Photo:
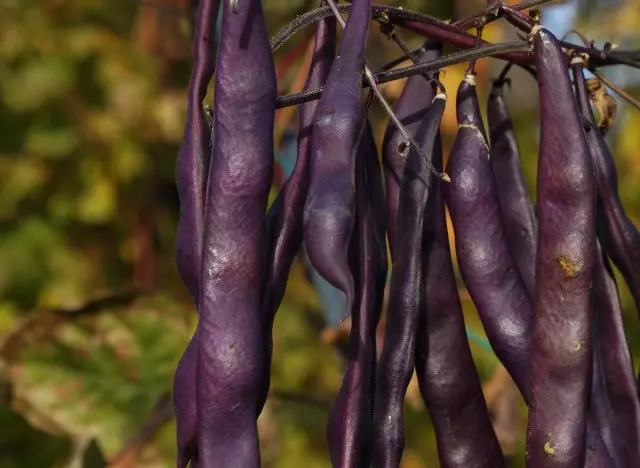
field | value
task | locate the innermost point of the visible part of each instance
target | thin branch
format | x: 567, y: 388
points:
x: 307, y: 400
x: 489, y: 13
x: 502, y: 77
x: 163, y: 413
x: 534, y: 4
x: 100, y: 304
x: 431, y: 27
x: 516, y: 18
x: 403, y: 58
x: 616, y: 89
x: 434, y: 65
x: 388, y: 30
x: 471, y: 70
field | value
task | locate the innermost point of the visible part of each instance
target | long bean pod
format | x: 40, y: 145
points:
x: 516, y: 208
x: 446, y: 373
x: 230, y: 345
x: 486, y: 264
x: 191, y: 179
x: 619, y: 236
x: 396, y: 363
x: 329, y: 208
x: 617, y: 365
x: 561, y: 345
x: 285, y: 217
x: 350, y: 419
x: 410, y: 108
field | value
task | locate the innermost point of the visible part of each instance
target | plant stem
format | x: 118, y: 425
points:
x: 392, y: 75
x: 433, y: 28
x: 390, y: 32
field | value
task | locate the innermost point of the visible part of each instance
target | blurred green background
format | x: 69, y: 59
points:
x: 93, y: 316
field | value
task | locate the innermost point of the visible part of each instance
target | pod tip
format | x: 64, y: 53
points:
x: 470, y: 78
x: 444, y: 176
x: 578, y: 58
x: 536, y: 28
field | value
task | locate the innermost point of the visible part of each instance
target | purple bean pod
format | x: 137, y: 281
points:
x: 618, y: 234
x: 396, y: 363
x: 411, y: 107
x: 230, y: 357
x: 516, y: 208
x: 486, y: 264
x: 350, y: 419
x: 330, y: 203
x: 561, y: 344
x: 284, y: 219
x: 617, y: 364
x: 597, y: 455
x: 447, y: 376
x: 616, y: 368
x: 191, y: 179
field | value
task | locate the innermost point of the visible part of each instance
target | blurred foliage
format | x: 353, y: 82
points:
x: 93, y: 317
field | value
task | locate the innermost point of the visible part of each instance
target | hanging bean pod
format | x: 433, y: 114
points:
x: 230, y: 342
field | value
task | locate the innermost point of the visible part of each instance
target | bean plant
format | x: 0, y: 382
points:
x: 540, y: 274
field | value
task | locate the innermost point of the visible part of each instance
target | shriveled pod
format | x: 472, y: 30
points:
x: 329, y: 208
x: 230, y: 362
x: 485, y: 261
x: 446, y: 373
x: 396, y: 363
x: 516, y: 208
x: 285, y: 217
x: 411, y: 107
x: 191, y: 179
x: 561, y: 344
x: 350, y: 421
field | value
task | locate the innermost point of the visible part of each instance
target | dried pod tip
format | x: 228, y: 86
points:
x: 578, y: 58
x: 444, y: 176
x: 234, y: 4
x: 535, y: 29
x: 442, y: 96
x: 470, y: 78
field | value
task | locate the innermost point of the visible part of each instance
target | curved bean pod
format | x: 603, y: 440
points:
x: 616, y: 357
x: 447, y: 376
x: 486, y: 264
x: 396, y: 363
x: 617, y: 365
x: 411, y: 107
x: 329, y: 208
x: 619, y: 236
x: 230, y: 345
x: 191, y: 180
x: 600, y: 410
x: 350, y: 418
x: 284, y: 219
x: 561, y: 344
x: 518, y: 215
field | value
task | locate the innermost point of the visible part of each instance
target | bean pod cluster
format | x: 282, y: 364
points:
x: 541, y: 277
